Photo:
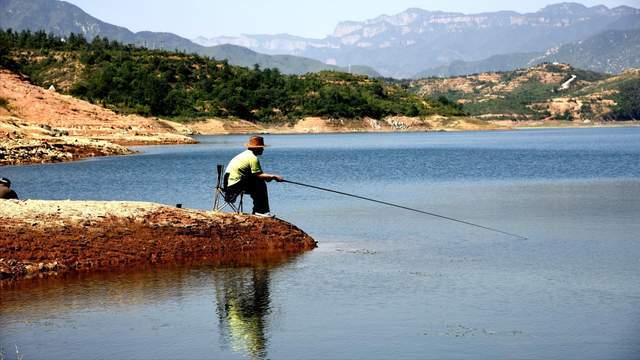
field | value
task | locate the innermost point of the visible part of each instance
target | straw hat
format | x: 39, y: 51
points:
x: 256, y: 142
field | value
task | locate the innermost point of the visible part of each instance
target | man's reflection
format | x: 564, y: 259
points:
x: 242, y: 306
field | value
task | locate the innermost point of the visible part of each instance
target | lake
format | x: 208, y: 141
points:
x: 384, y: 283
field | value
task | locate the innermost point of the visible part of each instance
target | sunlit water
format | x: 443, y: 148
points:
x: 384, y: 283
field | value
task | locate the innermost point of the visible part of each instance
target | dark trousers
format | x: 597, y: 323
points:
x: 255, y: 187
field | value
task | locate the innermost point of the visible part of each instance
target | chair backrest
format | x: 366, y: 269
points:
x: 220, y: 170
x: 225, y: 181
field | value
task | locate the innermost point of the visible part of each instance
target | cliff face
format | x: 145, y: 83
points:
x: 50, y: 237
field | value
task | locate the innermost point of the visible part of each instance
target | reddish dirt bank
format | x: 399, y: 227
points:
x: 40, y: 238
x: 39, y: 126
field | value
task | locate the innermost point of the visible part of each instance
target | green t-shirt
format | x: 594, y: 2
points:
x: 243, y: 165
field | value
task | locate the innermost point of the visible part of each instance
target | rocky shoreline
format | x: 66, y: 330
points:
x: 41, y: 238
x: 318, y: 125
x: 31, y: 152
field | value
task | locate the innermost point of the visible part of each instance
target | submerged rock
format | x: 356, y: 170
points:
x: 51, y: 237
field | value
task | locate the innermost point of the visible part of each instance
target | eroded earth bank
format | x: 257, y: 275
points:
x: 41, y: 238
x: 39, y: 125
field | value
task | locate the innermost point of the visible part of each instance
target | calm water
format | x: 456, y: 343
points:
x: 384, y: 283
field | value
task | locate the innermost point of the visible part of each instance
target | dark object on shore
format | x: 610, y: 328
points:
x: 179, y: 206
x: 5, y: 189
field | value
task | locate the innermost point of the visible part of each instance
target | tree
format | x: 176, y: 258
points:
x: 628, y: 101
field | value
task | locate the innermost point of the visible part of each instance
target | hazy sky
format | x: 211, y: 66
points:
x: 191, y: 18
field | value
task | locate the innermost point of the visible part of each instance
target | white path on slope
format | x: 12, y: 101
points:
x: 566, y: 84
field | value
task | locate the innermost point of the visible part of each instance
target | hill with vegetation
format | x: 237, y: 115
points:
x: 176, y: 85
x: 62, y: 19
x: 609, y: 52
x: 547, y: 91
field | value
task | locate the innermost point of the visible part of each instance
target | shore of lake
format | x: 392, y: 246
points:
x: 319, y: 125
x: 562, y: 124
x: 39, y: 143
x: 41, y: 238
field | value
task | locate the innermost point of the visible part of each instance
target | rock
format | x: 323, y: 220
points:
x: 48, y: 237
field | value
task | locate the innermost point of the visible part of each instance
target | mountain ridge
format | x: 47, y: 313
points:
x: 403, y: 44
x: 610, y: 52
x: 63, y: 18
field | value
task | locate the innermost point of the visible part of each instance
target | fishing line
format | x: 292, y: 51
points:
x: 406, y: 208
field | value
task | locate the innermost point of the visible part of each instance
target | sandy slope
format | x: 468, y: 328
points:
x: 312, y: 125
x: 40, y: 125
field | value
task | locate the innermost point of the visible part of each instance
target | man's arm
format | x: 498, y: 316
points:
x: 269, y: 177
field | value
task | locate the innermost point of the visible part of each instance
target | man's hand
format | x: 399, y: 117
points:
x: 278, y: 178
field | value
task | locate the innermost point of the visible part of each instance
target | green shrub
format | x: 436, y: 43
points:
x: 628, y: 101
x: 566, y: 116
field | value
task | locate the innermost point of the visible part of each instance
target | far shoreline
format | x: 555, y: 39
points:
x: 137, y: 149
x: 627, y: 124
x: 598, y: 126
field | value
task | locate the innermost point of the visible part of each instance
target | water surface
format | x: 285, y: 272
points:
x: 384, y: 283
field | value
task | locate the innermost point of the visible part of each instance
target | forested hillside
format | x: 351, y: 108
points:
x: 186, y: 86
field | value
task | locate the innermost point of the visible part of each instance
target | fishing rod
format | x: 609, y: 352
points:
x: 406, y: 208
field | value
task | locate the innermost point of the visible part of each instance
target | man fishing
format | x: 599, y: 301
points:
x: 5, y: 189
x: 244, y: 173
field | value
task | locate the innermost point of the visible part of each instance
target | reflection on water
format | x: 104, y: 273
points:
x: 242, y: 305
x: 161, y: 298
x: 35, y: 299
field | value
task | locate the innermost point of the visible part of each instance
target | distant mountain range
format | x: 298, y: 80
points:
x: 63, y: 18
x: 609, y: 52
x: 414, y: 40
x: 413, y: 43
